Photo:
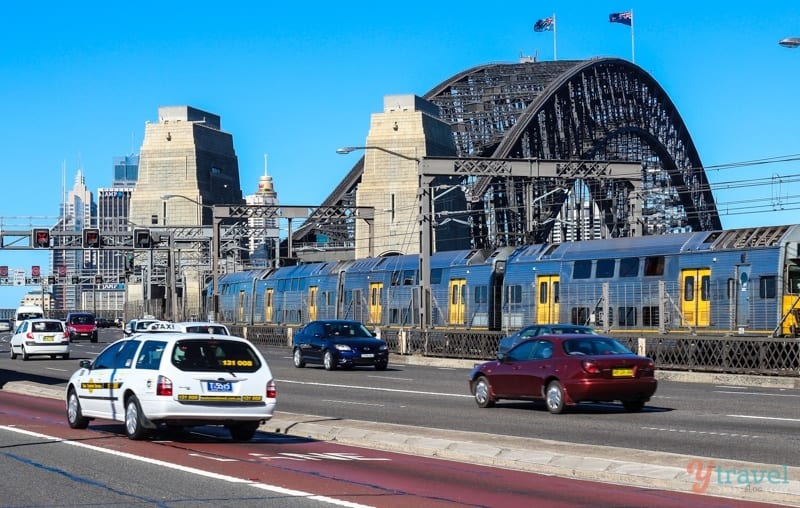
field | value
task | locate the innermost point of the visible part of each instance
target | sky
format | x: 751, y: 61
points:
x: 294, y: 81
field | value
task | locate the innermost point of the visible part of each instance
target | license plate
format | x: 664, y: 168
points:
x: 622, y: 372
x: 216, y: 386
x: 48, y: 338
x: 367, y: 355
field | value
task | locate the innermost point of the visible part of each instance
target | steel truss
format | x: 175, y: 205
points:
x: 602, y: 109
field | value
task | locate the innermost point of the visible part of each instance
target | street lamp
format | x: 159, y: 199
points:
x: 790, y: 42
x: 348, y: 149
x: 215, y: 237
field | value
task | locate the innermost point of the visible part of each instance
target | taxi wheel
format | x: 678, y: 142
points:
x: 243, y: 431
x: 483, y: 392
x: 554, y: 397
x: 298, y: 358
x: 134, y: 419
x: 328, y: 361
x: 75, y: 417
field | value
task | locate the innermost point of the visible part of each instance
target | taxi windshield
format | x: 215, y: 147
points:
x: 207, y: 355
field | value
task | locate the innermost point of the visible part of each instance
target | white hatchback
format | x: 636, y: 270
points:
x: 40, y: 337
x: 174, y: 380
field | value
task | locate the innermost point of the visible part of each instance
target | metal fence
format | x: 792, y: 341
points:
x: 735, y: 355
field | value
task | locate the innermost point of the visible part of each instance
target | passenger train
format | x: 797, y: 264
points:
x: 742, y: 281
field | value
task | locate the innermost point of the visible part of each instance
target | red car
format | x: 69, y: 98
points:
x: 566, y: 369
x: 81, y: 325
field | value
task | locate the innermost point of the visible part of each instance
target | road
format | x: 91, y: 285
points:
x: 730, y: 423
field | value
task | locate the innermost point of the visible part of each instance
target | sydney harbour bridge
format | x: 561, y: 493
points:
x: 595, y: 111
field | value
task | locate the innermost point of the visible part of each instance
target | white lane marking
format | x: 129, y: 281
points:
x: 732, y: 387
x: 393, y: 378
x: 373, y: 388
x: 776, y: 418
x: 199, y: 472
x: 352, y: 403
x: 218, y: 459
x: 761, y: 393
x: 702, y: 432
x: 57, y: 370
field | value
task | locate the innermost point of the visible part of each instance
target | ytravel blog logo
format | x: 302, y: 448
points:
x: 706, y: 472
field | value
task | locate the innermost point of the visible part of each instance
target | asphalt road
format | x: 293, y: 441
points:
x: 754, y: 422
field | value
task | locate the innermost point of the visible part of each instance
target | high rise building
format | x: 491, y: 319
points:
x: 78, y: 211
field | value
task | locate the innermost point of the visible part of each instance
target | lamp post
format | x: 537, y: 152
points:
x: 790, y: 42
x: 215, y: 240
x: 425, y: 219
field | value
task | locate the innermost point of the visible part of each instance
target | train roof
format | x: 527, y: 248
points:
x: 653, y: 245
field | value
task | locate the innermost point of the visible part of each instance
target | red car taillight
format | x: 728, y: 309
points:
x: 590, y: 367
x: 164, y: 386
x: 272, y: 391
x: 29, y: 335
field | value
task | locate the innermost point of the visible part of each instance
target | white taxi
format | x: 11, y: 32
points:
x: 168, y: 379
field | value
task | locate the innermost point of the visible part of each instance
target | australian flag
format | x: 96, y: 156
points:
x: 544, y: 25
x: 626, y: 18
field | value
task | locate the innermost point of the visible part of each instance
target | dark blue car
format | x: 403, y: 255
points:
x: 336, y: 343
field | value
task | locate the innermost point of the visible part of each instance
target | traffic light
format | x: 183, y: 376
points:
x: 40, y: 238
x: 141, y: 239
x: 76, y: 279
x: 91, y: 238
x: 98, y: 279
x: 51, y: 280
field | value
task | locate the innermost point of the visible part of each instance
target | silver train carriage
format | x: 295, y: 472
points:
x: 743, y: 281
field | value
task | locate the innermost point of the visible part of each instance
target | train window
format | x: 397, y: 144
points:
x: 515, y: 294
x: 793, y: 279
x: 629, y: 267
x: 281, y: 285
x: 705, y: 288
x: 626, y: 316
x: 555, y: 292
x: 605, y: 268
x: 766, y: 287
x: 650, y: 316
x: 396, y: 275
x: 295, y: 284
x: 582, y: 269
x: 436, y: 276
x: 579, y: 315
x: 409, y: 277
x: 688, y: 289
x: 543, y: 292
x: 481, y: 294
x: 654, y: 265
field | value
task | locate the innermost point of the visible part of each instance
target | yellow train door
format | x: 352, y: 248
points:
x: 695, y: 296
x: 458, y: 288
x: 547, y: 287
x: 375, y: 302
x: 268, y: 304
x: 312, y: 303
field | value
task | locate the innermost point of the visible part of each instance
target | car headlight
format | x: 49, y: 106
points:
x: 384, y: 347
x: 342, y: 347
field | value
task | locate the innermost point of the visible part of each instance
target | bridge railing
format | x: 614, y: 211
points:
x: 733, y: 355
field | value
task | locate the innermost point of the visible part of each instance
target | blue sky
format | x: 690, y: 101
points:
x: 296, y: 81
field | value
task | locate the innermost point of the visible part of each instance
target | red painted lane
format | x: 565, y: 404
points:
x: 358, y: 475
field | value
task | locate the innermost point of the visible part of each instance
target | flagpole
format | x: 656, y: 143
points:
x: 633, y: 50
x: 555, y: 51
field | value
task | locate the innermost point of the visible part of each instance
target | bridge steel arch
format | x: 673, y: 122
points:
x: 603, y: 109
